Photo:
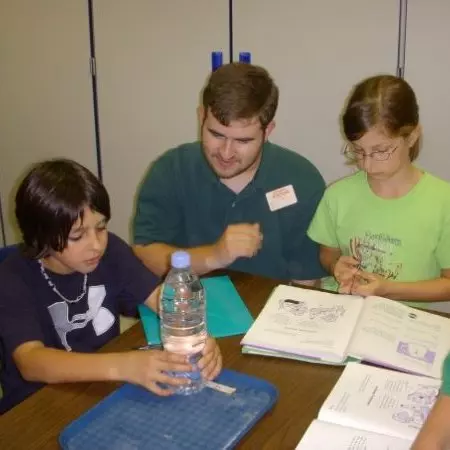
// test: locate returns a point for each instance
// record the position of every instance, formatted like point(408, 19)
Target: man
point(234, 199)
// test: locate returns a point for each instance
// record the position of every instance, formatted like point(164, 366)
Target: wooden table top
point(37, 422)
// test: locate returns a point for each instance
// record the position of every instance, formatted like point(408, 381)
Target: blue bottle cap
point(180, 259)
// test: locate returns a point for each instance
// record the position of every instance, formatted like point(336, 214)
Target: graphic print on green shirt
point(375, 253)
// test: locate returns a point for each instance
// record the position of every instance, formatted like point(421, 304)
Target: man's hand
point(147, 368)
point(238, 241)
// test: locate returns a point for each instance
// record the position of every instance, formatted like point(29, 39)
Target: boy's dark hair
point(383, 100)
point(241, 91)
point(50, 200)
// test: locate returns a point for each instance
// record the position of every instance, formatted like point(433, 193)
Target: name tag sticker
point(281, 197)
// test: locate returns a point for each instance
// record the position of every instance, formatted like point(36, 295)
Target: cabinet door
point(2, 226)
point(46, 106)
point(316, 51)
point(427, 69)
point(153, 58)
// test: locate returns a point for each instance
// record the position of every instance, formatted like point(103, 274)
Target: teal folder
point(226, 313)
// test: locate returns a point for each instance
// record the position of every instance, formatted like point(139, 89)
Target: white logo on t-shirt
point(102, 319)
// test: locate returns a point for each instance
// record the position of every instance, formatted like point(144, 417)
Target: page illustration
point(300, 308)
point(306, 322)
point(380, 400)
point(418, 405)
point(395, 335)
point(418, 351)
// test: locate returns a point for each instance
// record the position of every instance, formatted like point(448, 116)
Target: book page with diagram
point(380, 400)
point(305, 322)
point(326, 436)
point(392, 334)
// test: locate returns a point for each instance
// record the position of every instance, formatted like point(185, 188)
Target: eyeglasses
point(380, 155)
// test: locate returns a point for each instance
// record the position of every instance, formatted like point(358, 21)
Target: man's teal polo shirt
point(183, 203)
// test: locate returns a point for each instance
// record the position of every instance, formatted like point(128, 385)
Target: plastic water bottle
point(183, 318)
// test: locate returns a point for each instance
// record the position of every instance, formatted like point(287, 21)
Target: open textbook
point(371, 408)
point(334, 329)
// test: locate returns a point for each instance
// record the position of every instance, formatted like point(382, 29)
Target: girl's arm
point(435, 434)
point(329, 256)
point(429, 290)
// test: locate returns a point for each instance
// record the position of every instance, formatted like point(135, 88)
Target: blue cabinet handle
point(245, 57)
point(216, 60)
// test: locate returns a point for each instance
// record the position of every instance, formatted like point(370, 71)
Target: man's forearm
point(157, 257)
point(48, 365)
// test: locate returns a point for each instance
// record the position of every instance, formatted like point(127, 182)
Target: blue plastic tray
point(132, 418)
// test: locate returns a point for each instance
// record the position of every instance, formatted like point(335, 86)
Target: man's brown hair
point(239, 91)
point(384, 100)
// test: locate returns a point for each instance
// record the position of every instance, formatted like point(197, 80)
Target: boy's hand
point(147, 367)
point(211, 362)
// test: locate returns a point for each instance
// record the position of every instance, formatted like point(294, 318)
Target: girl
point(62, 295)
point(385, 230)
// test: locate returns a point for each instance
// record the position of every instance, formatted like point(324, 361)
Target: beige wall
point(152, 61)
point(317, 50)
point(427, 68)
point(153, 58)
point(45, 90)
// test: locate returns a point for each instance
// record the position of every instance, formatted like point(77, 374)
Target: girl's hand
point(367, 283)
point(345, 271)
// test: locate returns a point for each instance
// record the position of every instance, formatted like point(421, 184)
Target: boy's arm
point(39, 363)
point(146, 368)
point(47, 365)
point(435, 434)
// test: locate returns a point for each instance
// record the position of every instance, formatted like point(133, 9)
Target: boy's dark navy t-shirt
point(31, 311)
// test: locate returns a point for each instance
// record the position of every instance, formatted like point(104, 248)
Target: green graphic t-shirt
point(404, 239)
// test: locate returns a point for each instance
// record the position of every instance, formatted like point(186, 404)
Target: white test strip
point(220, 387)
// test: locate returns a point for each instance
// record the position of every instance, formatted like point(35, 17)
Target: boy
point(62, 295)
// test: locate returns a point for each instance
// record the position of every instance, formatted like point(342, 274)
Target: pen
point(358, 268)
point(148, 347)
